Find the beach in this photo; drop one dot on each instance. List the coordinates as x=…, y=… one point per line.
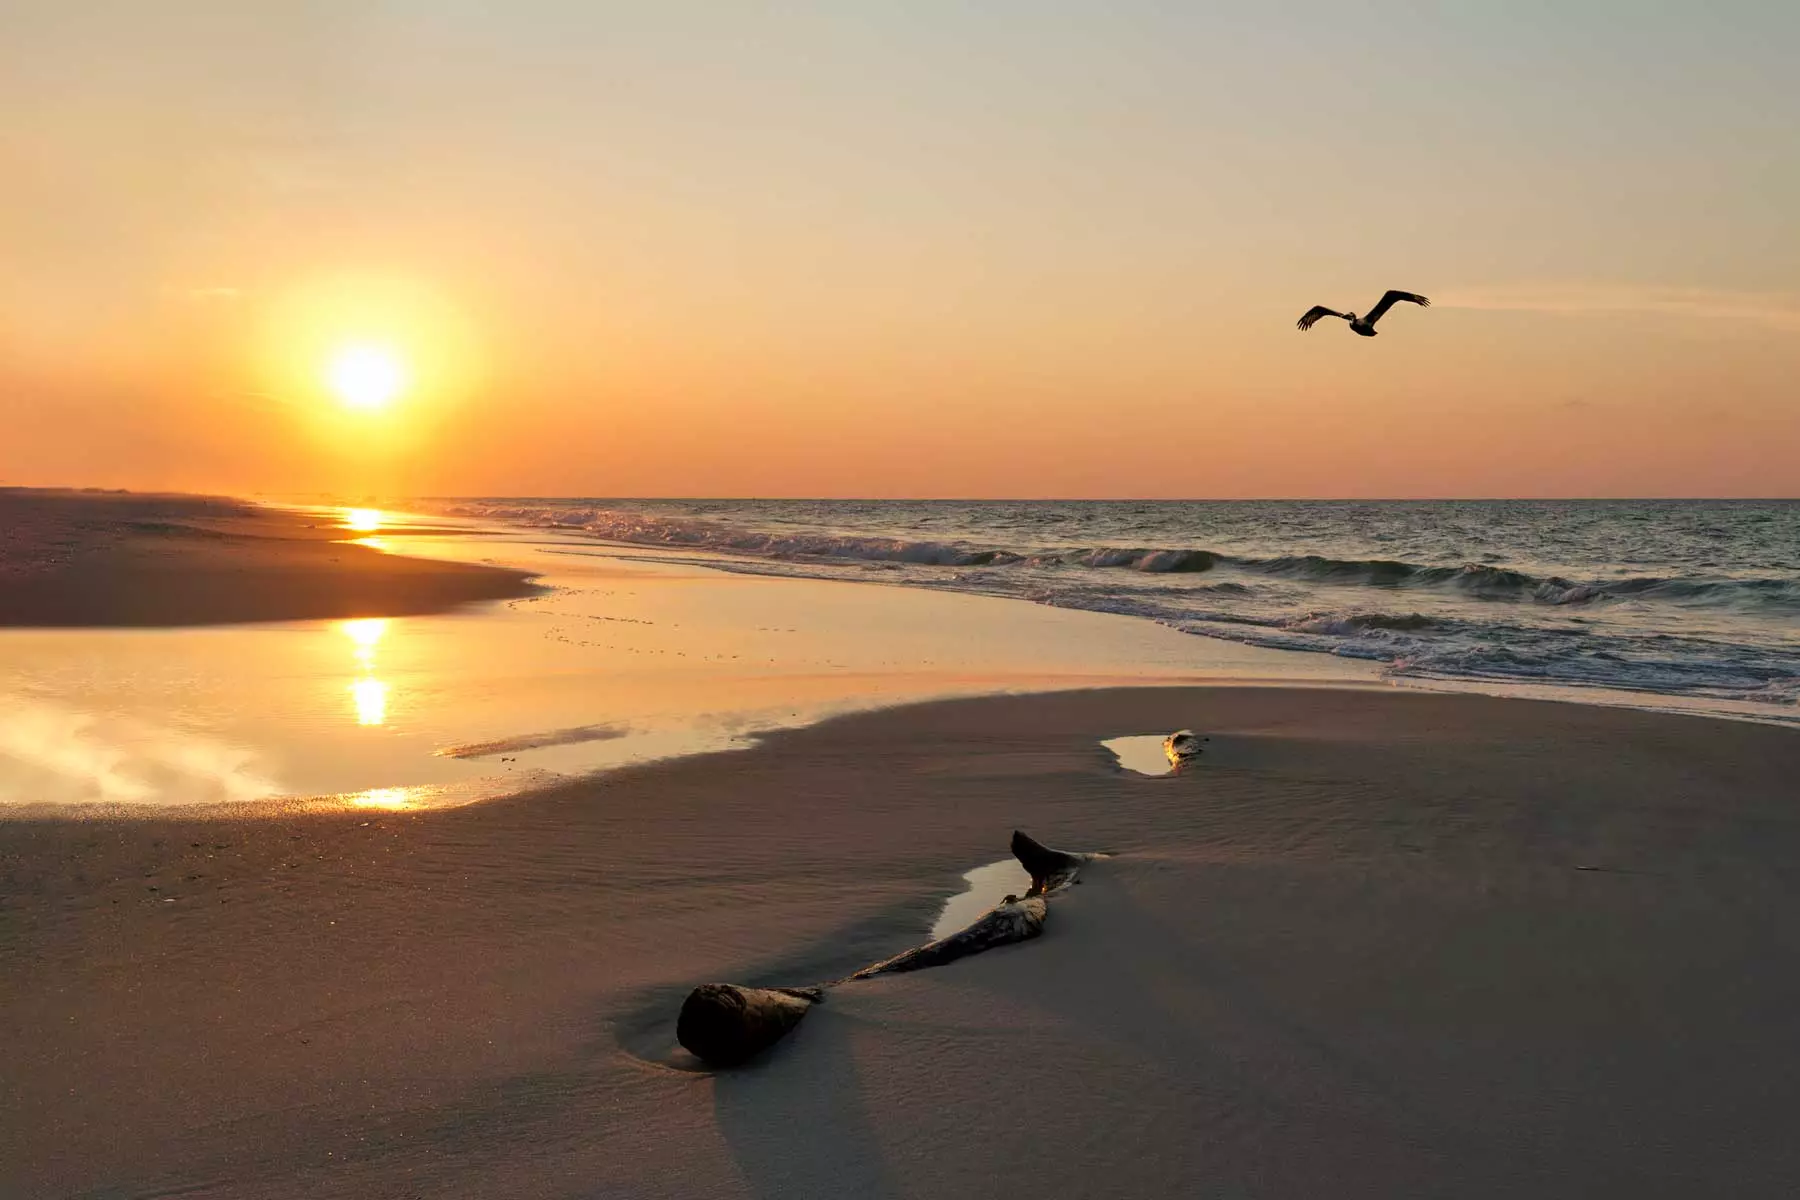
x=874, y=601
x=1376, y=945
x=1375, y=942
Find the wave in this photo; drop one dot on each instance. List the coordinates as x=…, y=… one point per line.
x=1352, y=624
x=1479, y=580
x=1412, y=645
x=1723, y=631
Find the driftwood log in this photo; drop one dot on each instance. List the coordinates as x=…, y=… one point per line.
x=724, y=1024
x=1050, y=870
x=1012, y=920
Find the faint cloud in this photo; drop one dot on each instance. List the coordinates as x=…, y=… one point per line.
x=1775, y=310
x=215, y=295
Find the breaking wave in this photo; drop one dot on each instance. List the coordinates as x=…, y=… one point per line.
x=1479, y=579
x=1689, y=599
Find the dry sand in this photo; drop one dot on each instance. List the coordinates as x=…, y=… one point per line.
x=1376, y=945
x=73, y=558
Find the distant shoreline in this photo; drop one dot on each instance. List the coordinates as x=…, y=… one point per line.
x=92, y=559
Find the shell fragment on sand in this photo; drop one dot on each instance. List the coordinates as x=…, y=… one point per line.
x=1183, y=745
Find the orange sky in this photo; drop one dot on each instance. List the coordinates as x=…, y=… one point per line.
x=872, y=249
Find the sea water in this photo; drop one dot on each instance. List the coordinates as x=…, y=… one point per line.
x=1689, y=599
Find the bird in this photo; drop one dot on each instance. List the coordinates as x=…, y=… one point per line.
x=1362, y=325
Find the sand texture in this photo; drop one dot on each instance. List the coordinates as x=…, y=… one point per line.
x=81, y=559
x=1373, y=945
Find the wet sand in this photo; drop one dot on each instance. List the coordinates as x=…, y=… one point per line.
x=121, y=559
x=1373, y=945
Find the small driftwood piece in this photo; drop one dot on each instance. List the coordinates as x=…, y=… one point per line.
x=1050, y=870
x=1012, y=920
x=1182, y=746
x=723, y=1024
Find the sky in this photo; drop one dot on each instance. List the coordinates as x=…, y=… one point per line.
x=875, y=249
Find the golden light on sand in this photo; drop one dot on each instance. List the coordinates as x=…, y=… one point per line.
x=366, y=376
x=362, y=520
x=370, y=697
x=392, y=799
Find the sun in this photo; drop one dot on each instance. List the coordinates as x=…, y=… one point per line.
x=366, y=376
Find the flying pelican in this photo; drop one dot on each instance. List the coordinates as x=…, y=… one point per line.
x=1362, y=325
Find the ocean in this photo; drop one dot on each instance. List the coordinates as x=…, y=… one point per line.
x=1692, y=599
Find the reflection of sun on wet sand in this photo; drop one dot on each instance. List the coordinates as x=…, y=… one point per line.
x=95, y=559
x=370, y=697
x=362, y=520
x=369, y=693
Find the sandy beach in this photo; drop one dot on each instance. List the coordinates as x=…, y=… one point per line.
x=1376, y=945
x=97, y=558
x=1373, y=943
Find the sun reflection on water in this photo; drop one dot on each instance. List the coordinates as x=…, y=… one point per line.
x=362, y=520
x=368, y=695
x=365, y=632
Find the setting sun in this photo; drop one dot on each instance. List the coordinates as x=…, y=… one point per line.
x=366, y=377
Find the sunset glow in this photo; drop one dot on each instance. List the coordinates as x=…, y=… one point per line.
x=925, y=258
x=367, y=377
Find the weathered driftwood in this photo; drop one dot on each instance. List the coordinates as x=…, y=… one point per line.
x=1050, y=870
x=1013, y=920
x=724, y=1024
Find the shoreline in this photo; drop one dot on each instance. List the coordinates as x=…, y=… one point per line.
x=1471, y=594
x=1395, y=940
x=662, y=662
x=333, y=806
x=637, y=657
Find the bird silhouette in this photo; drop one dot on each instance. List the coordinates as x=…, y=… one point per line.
x=1362, y=325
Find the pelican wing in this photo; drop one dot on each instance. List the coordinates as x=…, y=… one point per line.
x=1315, y=312
x=1387, y=302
